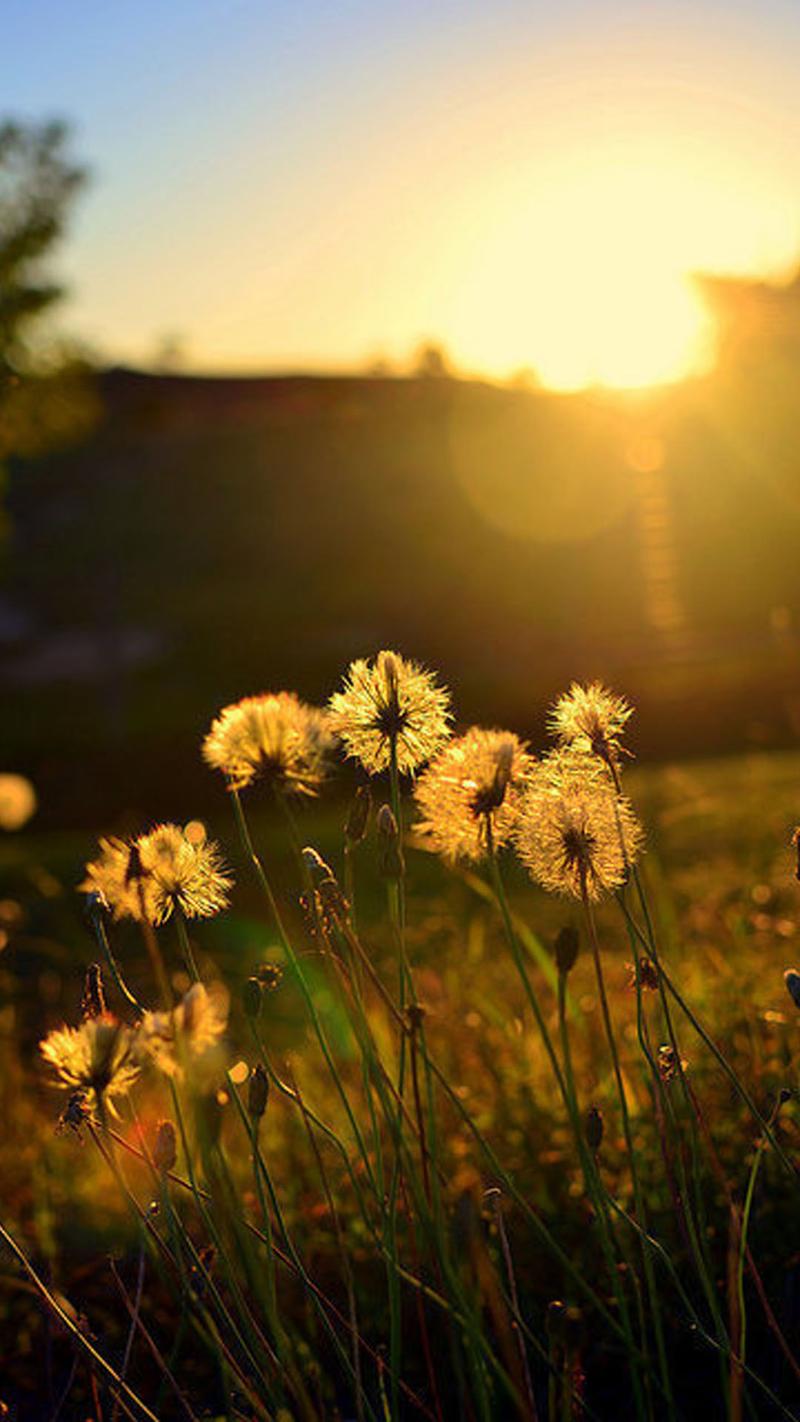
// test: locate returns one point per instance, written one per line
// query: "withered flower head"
(176, 1041)
(669, 1064)
(157, 874)
(472, 785)
(647, 976)
(576, 838)
(270, 976)
(95, 1059)
(592, 717)
(390, 701)
(276, 738)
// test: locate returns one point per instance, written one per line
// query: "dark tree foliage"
(43, 392)
(38, 183)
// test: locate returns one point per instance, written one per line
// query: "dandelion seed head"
(95, 1059)
(158, 873)
(473, 782)
(591, 717)
(183, 874)
(574, 835)
(179, 1039)
(390, 700)
(276, 738)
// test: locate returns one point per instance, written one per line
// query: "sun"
(627, 328)
(592, 286)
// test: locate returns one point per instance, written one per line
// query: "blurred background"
(468, 330)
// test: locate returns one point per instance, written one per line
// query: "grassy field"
(719, 876)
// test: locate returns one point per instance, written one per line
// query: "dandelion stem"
(597, 1195)
(733, 1077)
(120, 1388)
(505, 912)
(186, 946)
(302, 982)
(652, 1288)
(96, 915)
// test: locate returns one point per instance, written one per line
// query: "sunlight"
(636, 328)
(593, 286)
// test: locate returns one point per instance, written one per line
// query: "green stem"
(596, 1194)
(641, 1213)
(186, 946)
(519, 962)
(302, 983)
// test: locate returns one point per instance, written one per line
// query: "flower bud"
(165, 1151)
(594, 1128)
(390, 850)
(415, 1017)
(251, 997)
(357, 822)
(258, 1092)
(792, 980)
(93, 1002)
(566, 949)
(316, 866)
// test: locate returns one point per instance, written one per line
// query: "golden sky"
(295, 186)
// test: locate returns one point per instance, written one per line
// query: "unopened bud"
(316, 866)
(593, 1128)
(251, 997)
(566, 949)
(258, 1092)
(93, 1002)
(165, 1152)
(792, 980)
(415, 1016)
(390, 850)
(357, 821)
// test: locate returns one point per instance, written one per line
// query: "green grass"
(719, 873)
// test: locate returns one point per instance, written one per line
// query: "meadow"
(409, 1166)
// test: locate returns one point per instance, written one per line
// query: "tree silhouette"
(43, 392)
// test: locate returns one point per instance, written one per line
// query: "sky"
(317, 185)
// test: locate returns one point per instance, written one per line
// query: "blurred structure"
(216, 538)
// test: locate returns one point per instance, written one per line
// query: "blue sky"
(312, 183)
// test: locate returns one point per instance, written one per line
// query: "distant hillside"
(219, 537)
